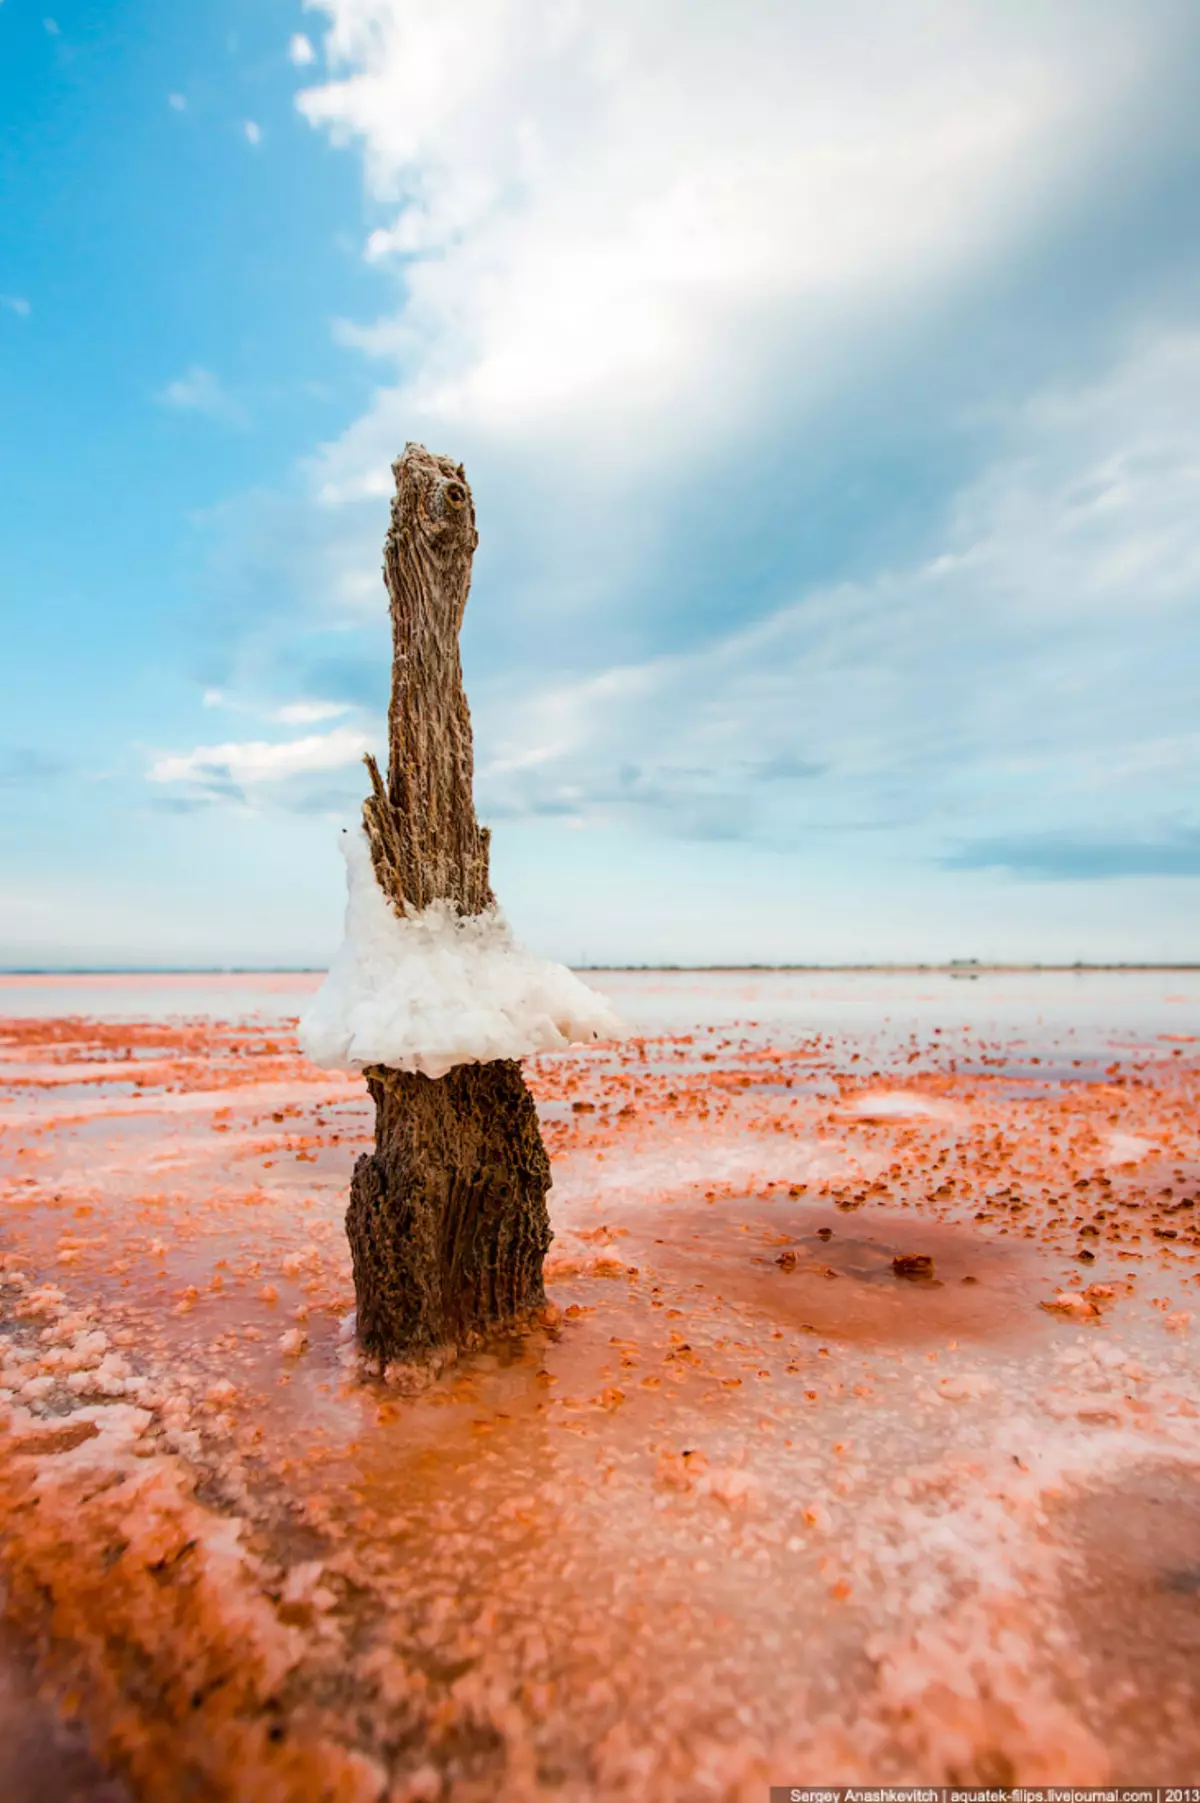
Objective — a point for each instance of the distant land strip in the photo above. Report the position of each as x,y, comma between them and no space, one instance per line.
955,967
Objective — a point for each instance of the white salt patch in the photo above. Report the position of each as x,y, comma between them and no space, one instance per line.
119,1425
677,1166
902,1102
109,1377
439,989
1127,1148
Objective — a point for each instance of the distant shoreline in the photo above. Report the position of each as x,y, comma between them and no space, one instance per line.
960,967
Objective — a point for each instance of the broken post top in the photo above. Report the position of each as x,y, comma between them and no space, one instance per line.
433,520
426,844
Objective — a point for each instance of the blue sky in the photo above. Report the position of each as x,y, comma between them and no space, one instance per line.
828,379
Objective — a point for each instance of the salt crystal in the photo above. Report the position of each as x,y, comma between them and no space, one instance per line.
439,989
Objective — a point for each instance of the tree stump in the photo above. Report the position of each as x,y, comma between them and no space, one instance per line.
447,1222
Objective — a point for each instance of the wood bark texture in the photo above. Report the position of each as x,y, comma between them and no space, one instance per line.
447,1222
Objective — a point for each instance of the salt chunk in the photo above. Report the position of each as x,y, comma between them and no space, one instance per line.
302,1581
439,989
967,1387
1071,1302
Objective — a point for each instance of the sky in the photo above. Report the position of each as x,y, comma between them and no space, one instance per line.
827,375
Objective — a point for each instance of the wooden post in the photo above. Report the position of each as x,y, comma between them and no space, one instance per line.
447,1223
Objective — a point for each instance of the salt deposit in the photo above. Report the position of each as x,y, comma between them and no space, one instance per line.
439,989
745,1507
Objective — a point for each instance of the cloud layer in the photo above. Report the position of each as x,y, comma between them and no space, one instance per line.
240,770
623,219
827,379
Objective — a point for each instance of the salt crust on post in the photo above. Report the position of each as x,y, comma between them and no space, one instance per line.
439,988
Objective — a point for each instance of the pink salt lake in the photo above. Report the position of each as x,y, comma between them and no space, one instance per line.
746,1506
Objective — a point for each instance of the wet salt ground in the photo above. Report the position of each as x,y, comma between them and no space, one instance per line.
747,1505
42,1758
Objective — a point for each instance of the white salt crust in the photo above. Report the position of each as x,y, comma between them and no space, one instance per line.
439,988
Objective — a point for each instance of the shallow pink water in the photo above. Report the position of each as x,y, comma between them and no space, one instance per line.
749,1504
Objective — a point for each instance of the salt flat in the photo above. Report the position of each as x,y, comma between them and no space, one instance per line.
749,1504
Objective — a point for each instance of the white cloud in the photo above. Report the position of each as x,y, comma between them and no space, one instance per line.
198,390
614,221
1099,514
16,303
253,132
177,102
249,762
291,713
307,713
1015,675
622,231
300,51
53,27
629,242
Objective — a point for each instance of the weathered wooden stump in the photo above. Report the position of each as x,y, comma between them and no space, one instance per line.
447,1222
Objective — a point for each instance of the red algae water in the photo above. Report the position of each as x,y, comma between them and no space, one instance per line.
860,1441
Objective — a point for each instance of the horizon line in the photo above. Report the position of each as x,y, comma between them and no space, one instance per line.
952,966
